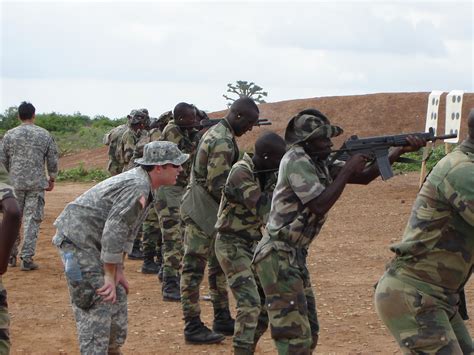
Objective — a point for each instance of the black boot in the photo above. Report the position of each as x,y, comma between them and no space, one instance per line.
136,253
195,332
223,322
149,266
170,289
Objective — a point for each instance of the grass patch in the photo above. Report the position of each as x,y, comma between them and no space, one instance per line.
81,174
437,155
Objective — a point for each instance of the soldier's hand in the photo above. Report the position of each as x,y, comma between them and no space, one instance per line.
356,164
107,291
415,144
121,280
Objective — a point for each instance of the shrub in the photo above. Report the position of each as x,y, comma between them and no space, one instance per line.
82,174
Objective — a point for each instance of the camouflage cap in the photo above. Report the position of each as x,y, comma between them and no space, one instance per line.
161,153
137,116
309,125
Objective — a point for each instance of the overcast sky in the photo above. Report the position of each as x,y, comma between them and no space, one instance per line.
110,57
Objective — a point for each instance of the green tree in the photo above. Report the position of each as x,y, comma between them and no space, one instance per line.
245,89
9,118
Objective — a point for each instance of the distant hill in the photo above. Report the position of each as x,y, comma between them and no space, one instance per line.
364,115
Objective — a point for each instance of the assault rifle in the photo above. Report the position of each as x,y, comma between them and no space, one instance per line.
376,148
205,123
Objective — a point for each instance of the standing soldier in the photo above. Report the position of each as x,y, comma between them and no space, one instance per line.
10,225
215,155
27,149
130,138
244,208
113,140
418,296
308,186
169,197
93,234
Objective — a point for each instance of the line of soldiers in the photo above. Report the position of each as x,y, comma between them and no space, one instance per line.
222,205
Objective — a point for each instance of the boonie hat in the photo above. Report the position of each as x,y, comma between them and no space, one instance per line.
161,153
307,125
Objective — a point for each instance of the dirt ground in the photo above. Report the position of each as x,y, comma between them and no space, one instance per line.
345,261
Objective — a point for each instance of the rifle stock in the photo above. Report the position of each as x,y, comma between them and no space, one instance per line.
376,148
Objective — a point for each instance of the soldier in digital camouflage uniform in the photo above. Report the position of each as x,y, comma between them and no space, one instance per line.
308,186
98,228
10,215
177,130
216,153
418,296
243,210
130,138
27,150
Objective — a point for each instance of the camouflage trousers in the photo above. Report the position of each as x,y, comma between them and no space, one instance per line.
235,257
421,317
101,326
32,206
4,321
199,250
172,229
290,302
152,239
114,167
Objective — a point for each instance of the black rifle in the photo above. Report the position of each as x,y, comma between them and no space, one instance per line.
213,121
376,148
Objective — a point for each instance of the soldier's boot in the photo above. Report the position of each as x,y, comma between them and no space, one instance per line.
171,290
195,332
223,322
149,266
28,265
136,253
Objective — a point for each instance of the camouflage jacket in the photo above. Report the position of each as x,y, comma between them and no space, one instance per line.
244,206
438,243
6,190
150,136
130,138
216,153
300,180
26,150
106,218
113,140
173,133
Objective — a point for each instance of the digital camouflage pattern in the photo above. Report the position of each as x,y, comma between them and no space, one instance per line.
113,140
280,258
433,261
101,326
107,217
216,153
242,212
28,152
27,149
169,198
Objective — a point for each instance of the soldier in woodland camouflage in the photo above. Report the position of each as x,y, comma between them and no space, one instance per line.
96,230
168,199
113,140
243,210
418,296
27,150
215,155
10,225
308,186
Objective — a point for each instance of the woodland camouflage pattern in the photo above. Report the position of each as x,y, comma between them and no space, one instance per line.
129,141
242,212
169,198
281,254
216,153
305,126
113,139
418,296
